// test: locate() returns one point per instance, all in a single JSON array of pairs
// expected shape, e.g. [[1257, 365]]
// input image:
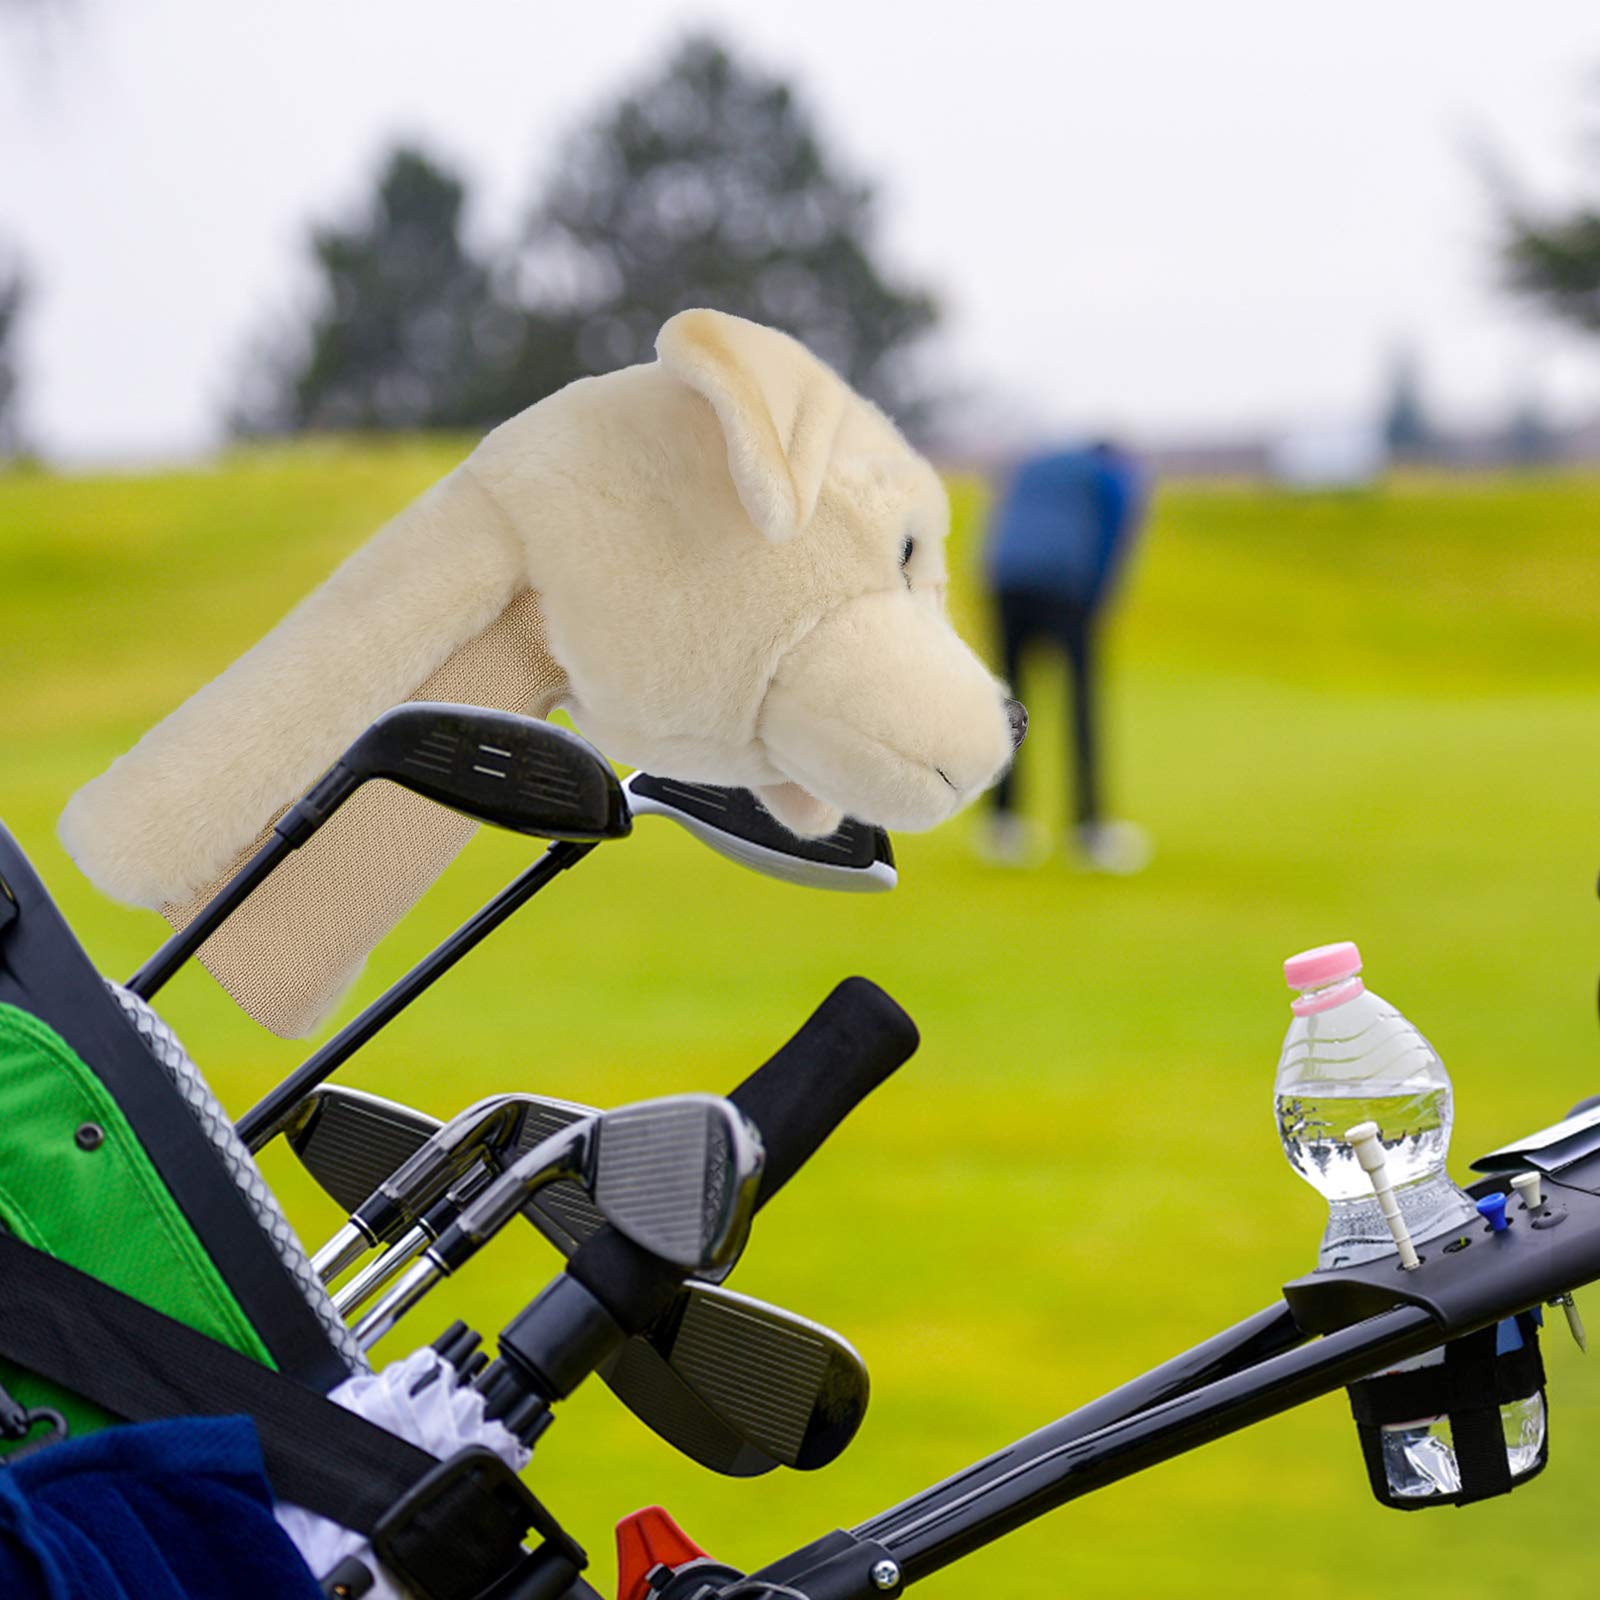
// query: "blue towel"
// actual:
[[153, 1511]]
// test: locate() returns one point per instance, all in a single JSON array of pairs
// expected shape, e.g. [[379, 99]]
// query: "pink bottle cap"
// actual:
[[1328, 963], [1326, 969]]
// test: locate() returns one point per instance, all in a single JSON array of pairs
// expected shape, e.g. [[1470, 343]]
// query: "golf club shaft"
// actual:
[[407, 1246], [421, 1277], [379, 1273], [267, 1118], [341, 1252], [478, 1221], [183, 944]]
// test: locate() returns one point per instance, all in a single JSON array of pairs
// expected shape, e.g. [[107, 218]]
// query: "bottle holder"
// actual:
[[1402, 1417]]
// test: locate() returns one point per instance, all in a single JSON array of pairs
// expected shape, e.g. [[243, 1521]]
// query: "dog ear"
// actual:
[[779, 408]]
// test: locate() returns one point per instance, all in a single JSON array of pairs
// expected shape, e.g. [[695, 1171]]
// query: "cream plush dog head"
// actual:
[[772, 613], [727, 564]]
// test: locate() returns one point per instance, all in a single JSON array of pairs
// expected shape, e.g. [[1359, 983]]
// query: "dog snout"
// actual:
[[1017, 716]]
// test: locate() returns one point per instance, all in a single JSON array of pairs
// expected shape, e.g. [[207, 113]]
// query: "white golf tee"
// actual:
[[1368, 1146]]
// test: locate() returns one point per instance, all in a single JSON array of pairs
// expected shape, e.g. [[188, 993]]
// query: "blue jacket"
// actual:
[[1064, 524]]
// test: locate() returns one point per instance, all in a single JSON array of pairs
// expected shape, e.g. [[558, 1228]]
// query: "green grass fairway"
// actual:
[[1367, 716]]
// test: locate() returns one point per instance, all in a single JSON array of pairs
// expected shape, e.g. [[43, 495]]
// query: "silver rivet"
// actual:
[[885, 1575]]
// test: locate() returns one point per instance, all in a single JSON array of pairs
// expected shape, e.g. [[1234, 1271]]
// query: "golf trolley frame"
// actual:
[[1331, 1329]]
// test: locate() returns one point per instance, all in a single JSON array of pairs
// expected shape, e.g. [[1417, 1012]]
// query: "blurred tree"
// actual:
[[13, 285], [1550, 257], [1555, 263], [11, 299], [709, 186], [706, 187], [406, 332], [1405, 425]]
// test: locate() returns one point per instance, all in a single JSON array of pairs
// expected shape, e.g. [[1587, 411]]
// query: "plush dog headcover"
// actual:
[[726, 564]]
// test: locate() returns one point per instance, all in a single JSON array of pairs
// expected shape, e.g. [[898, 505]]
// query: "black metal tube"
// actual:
[[1267, 1333], [1058, 1463], [268, 1117], [183, 944]]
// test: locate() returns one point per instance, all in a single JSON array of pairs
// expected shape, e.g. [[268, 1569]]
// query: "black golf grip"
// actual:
[[845, 1049]]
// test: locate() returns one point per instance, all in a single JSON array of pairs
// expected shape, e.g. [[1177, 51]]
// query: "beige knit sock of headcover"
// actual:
[[290, 951]]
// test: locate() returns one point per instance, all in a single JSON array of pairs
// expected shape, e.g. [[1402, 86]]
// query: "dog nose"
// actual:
[[1017, 715]]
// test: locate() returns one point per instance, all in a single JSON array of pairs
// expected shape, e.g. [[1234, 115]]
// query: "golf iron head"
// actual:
[[855, 857], [350, 1141], [472, 1144], [783, 1391], [737, 1385], [678, 1176]]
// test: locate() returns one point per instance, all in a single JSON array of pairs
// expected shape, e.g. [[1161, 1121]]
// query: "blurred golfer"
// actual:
[[1061, 534]]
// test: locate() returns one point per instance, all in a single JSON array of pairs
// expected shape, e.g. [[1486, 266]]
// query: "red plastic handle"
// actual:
[[646, 1540]]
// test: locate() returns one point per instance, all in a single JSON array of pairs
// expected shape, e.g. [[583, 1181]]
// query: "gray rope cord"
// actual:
[[163, 1044]]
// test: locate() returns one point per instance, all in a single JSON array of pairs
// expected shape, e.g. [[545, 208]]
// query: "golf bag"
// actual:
[[146, 1273]]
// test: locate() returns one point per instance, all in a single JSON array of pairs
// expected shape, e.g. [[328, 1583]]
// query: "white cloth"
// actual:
[[441, 1419]]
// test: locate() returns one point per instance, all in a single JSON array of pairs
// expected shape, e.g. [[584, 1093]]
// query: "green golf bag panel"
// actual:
[[165, 1206], [76, 1183]]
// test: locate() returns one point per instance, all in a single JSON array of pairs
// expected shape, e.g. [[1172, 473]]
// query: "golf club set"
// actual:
[[430, 1197], [737, 1385]]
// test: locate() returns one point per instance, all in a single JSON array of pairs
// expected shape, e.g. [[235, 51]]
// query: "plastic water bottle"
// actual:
[[1350, 1057]]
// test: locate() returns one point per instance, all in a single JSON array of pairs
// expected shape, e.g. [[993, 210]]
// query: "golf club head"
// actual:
[[679, 1176], [510, 771], [350, 1141], [855, 857], [720, 1416], [741, 1386]]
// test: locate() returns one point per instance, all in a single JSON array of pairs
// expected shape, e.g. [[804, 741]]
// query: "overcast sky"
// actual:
[[1171, 217]]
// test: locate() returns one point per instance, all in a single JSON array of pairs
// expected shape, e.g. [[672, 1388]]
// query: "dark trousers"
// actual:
[[1028, 617]]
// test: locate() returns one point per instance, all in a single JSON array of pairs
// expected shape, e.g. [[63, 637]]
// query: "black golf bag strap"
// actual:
[[464, 1519]]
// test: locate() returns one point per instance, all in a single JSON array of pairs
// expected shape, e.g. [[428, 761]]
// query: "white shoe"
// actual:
[[1007, 840], [1116, 847]]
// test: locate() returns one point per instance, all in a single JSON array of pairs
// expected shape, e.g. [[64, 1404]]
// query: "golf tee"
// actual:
[[1368, 1146], [1574, 1321]]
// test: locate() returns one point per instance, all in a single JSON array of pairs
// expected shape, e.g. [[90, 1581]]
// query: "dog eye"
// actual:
[[907, 545]]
